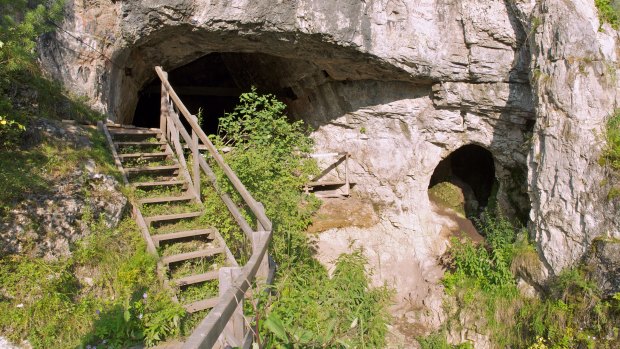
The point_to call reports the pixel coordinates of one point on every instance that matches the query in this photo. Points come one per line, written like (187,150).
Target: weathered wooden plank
(235,328)
(141,144)
(182,234)
(134,132)
(159,183)
(192,255)
(232,207)
(176,128)
(194,279)
(172,217)
(164,168)
(164,199)
(208,331)
(201,305)
(144,155)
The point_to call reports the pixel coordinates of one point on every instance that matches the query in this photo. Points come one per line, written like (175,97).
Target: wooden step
(139,143)
(158,184)
(161,200)
(172,217)
(192,255)
(111,126)
(194,279)
(181,234)
(201,305)
(134,131)
(327,184)
(143,155)
(149,169)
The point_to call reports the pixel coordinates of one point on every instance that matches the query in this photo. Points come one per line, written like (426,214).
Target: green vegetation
(24,93)
(32,170)
(449,195)
(51,305)
(609,12)
(611,154)
(481,288)
(341,312)
(268,157)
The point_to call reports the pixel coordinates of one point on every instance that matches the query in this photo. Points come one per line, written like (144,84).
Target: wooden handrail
(211,329)
(208,331)
(234,210)
(247,197)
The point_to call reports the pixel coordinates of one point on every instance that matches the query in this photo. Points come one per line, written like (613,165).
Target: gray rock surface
(575,90)
(603,262)
(48,223)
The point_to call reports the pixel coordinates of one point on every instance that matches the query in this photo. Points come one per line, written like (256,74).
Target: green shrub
(487,266)
(609,12)
(341,312)
(268,157)
(21,23)
(480,287)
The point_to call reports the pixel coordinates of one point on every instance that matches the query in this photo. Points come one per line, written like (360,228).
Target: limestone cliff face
(575,84)
(400,84)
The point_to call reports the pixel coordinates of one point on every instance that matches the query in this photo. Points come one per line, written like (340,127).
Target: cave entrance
(465,180)
(211,85)
(204,85)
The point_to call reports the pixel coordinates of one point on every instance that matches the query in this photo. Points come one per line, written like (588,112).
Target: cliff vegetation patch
(483,296)
(609,12)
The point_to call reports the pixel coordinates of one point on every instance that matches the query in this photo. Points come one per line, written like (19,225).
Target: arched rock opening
(471,170)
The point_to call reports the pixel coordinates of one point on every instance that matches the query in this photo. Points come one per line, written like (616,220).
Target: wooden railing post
(196,160)
(347,186)
(257,236)
(234,332)
(163,113)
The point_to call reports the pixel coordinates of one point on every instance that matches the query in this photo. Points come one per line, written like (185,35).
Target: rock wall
(575,90)
(399,84)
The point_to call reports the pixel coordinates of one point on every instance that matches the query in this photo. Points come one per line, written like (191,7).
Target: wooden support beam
(211,91)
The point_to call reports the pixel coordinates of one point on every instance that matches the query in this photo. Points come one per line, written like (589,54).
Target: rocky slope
(48,221)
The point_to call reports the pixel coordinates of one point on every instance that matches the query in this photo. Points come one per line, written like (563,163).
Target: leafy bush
(341,312)
(268,157)
(488,266)
(481,289)
(609,12)
(20,24)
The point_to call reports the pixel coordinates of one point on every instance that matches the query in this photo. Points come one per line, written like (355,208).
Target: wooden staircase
(193,259)
(168,210)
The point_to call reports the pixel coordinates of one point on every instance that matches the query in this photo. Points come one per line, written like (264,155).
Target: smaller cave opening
(465,180)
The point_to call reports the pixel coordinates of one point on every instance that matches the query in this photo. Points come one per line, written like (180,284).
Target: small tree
(21,23)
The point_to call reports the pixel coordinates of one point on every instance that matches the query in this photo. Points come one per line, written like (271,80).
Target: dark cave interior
(472,169)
